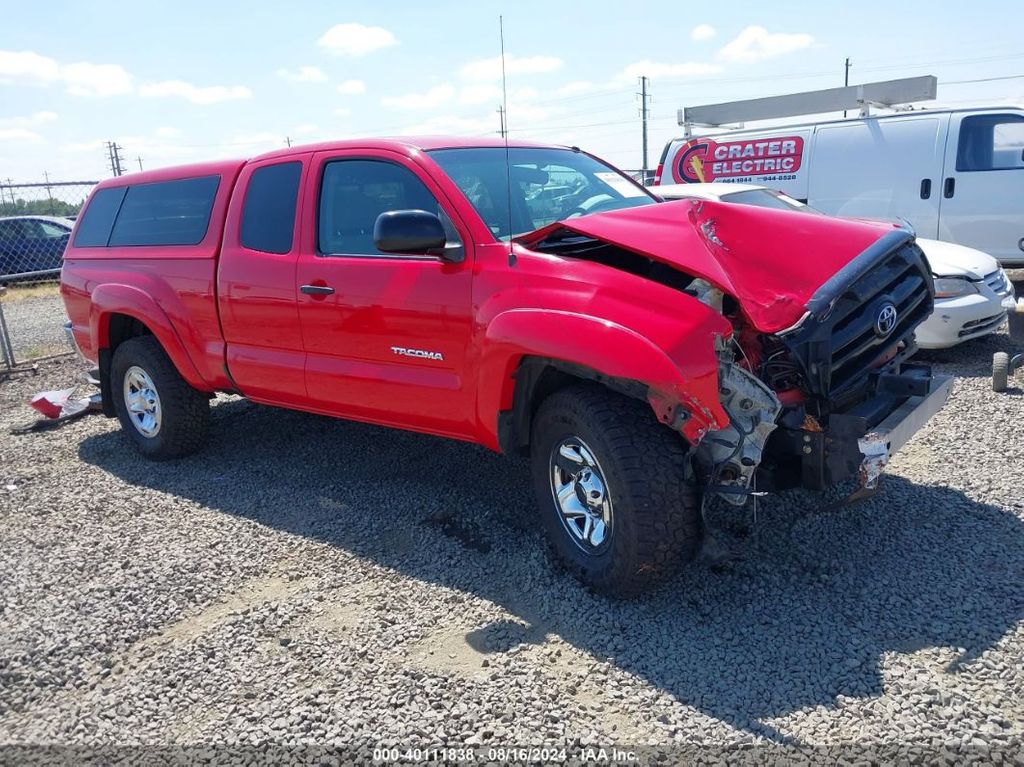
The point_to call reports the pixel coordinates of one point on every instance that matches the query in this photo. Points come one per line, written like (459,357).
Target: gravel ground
(36,326)
(305,580)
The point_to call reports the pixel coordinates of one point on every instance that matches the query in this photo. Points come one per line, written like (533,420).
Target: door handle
(317,290)
(949,188)
(926,188)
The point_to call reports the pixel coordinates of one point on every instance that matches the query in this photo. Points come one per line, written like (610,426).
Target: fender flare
(110,299)
(609,349)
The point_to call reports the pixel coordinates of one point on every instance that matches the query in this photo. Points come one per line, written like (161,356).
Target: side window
(353,193)
(98,219)
(268,213)
(52,231)
(166,212)
(990,142)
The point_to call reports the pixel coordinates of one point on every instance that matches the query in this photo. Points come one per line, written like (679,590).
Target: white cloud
(490,69)
(352,87)
(305,129)
(656,69)
(28,121)
(576,88)
(83,146)
(355,39)
(168,132)
(702,32)
(480,94)
(210,94)
(86,79)
(343,112)
(757,43)
(453,124)
(26,65)
(434,97)
(19,134)
(82,78)
(303,75)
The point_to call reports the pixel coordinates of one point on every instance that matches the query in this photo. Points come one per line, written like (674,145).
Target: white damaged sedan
(972,292)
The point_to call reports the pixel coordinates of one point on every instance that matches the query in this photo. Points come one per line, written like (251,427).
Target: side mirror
(408,231)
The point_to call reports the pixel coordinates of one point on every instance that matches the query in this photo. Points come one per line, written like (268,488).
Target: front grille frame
(835,345)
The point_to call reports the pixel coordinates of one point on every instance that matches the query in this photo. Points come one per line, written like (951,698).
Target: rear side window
(268,214)
(166,212)
(98,219)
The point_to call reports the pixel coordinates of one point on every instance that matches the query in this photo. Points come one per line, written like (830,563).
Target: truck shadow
(806,618)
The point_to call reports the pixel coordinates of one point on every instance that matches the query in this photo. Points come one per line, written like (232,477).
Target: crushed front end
(845,396)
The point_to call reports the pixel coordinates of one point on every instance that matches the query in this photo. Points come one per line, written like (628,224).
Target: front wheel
(614,490)
(159,412)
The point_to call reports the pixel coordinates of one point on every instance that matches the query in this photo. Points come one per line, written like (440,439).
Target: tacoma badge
(421,353)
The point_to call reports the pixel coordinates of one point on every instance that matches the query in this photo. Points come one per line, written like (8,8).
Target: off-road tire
(185,412)
(1000,371)
(656,509)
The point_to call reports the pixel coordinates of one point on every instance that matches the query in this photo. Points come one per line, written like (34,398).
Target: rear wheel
(160,413)
(613,489)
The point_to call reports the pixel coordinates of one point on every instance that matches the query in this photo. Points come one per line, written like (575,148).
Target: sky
(184,81)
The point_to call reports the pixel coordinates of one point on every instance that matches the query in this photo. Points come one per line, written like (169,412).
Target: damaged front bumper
(860,442)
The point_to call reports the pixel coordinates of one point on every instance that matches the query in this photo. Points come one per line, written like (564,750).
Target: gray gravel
(305,580)
(36,326)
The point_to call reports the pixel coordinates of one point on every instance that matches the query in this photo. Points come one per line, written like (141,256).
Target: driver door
(385,334)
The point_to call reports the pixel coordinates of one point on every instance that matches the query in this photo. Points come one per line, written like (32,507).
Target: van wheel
(164,416)
(613,489)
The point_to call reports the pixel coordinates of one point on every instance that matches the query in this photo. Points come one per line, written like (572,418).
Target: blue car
(32,243)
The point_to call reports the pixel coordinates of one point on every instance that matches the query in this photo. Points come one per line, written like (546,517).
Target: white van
(956,175)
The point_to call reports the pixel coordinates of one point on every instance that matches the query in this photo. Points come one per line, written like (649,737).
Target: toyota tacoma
(646,355)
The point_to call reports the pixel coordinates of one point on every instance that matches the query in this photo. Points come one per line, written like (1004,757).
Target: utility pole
(288,140)
(501,116)
(139,161)
(644,114)
(49,194)
(846,77)
(114,151)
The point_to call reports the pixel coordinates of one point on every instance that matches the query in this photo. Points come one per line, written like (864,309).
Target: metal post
(5,337)
(846,78)
(643,115)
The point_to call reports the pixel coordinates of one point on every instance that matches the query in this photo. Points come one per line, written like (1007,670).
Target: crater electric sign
(702,160)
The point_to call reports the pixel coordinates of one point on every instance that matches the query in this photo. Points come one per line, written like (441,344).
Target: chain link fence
(35,225)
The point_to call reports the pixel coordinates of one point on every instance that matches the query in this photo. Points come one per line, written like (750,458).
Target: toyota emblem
(885,322)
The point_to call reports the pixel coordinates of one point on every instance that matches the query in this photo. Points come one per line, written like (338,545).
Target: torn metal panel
(733,454)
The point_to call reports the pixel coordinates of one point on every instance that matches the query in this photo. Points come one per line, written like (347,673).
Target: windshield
(766,198)
(547,185)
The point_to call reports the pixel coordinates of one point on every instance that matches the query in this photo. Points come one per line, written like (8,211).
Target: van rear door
(881,168)
(983,185)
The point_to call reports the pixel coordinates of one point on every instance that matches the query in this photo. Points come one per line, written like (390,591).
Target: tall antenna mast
(508,162)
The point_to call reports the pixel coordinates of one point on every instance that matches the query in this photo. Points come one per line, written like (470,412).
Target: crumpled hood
(770,261)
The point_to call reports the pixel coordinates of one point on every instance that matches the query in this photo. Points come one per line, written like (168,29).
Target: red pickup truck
(528,298)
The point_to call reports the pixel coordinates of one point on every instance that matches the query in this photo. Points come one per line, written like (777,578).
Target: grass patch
(38,290)
(36,351)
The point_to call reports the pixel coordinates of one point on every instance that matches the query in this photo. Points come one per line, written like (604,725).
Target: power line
(983,80)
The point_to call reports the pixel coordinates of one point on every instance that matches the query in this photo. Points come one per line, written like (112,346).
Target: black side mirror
(409,231)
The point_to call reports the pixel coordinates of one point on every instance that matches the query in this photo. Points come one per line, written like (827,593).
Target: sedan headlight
(950,287)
